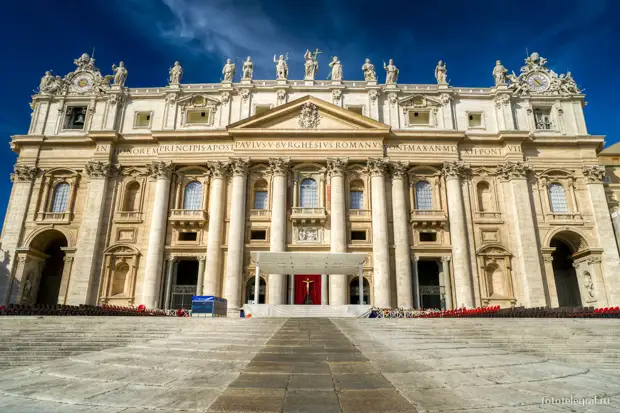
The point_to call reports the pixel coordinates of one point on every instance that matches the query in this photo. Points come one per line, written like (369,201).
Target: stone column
(162,173)
(338,227)
(615,220)
(526,248)
(550,277)
(417,303)
(22,178)
(66,275)
(291,289)
(236,237)
(169,276)
(404,290)
(84,285)
(380,247)
(217,203)
(445,263)
(604,229)
(458,234)
(324,291)
(278,168)
(201,275)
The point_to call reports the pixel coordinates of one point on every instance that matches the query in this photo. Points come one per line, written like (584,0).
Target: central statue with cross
(308,281)
(312,64)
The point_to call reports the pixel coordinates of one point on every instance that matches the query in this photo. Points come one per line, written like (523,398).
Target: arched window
(557,198)
(261,196)
(118,279)
(60,200)
(309,194)
(132,195)
(356,195)
(484,197)
(423,195)
(192,198)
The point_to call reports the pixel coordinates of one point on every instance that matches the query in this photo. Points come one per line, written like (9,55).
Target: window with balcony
(542,118)
(557,199)
(75,117)
(132,197)
(309,194)
(60,198)
(423,196)
(356,195)
(261,195)
(192,197)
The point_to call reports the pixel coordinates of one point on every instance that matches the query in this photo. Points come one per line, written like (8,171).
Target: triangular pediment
(308,115)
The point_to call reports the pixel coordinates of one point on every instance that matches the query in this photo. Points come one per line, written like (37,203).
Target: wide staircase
(303,311)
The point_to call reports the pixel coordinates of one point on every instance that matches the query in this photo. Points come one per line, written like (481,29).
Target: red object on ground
(141,308)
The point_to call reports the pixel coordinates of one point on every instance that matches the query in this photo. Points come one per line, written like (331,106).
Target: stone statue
(391,73)
(248,69)
(27,288)
(228,71)
(441,73)
(369,71)
(46,81)
(589,285)
(336,68)
(281,67)
(311,66)
(176,73)
(54,84)
(567,84)
(120,74)
(499,73)
(84,62)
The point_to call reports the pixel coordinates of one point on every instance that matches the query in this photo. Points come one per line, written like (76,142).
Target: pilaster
(338,227)
(278,168)
(216,226)
(404,296)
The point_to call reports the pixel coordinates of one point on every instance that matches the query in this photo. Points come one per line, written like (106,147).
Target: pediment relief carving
(198,101)
(420,102)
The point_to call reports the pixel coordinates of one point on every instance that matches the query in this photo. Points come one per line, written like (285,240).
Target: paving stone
(310,368)
(354,367)
(361,382)
(374,401)
(311,401)
(260,381)
(311,382)
(249,401)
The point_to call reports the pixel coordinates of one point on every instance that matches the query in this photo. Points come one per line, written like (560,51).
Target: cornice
(175,134)
(427,133)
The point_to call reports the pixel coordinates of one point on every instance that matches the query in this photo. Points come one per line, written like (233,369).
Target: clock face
(83,83)
(538,82)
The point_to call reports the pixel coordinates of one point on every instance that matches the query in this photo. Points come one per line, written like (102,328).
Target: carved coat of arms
(309,116)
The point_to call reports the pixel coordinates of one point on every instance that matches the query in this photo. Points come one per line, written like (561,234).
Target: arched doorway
(249,290)
(354,291)
(43,287)
(564,274)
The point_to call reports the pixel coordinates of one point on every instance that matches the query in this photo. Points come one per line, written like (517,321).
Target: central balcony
(260,214)
(562,219)
(54,217)
(128,216)
(428,218)
(360,214)
(188,218)
(305,216)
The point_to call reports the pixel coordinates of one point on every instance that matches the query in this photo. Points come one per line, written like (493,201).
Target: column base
(233,313)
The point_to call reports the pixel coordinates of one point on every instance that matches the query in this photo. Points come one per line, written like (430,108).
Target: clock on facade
(538,82)
(83,83)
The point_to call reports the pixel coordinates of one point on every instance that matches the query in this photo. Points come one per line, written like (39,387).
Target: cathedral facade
(458,196)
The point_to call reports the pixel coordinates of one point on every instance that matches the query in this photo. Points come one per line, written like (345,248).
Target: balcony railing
(428,217)
(488,216)
(360,214)
(304,215)
(129,216)
(260,214)
(54,217)
(188,217)
(563,218)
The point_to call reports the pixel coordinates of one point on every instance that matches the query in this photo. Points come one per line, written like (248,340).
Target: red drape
(315,288)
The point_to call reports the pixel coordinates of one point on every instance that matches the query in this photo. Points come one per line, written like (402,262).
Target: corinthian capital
(377,166)
(594,174)
(513,170)
(278,166)
(24,173)
(398,169)
(454,170)
(218,169)
(239,166)
(336,166)
(98,169)
(160,170)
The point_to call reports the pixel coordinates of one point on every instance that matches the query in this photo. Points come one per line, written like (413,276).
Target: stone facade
(459,196)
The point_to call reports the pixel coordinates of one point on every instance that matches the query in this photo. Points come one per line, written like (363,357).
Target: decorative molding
(278,166)
(24,173)
(538,80)
(377,166)
(281,95)
(245,94)
(225,97)
(445,98)
(455,170)
(594,174)
(513,170)
(160,170)
(309,117)
(399,169)
(308,234)
(239,166)
(392,98)
(502,100)
(336,166)
(336,96)
(373,94)
(218,169)
(98,169)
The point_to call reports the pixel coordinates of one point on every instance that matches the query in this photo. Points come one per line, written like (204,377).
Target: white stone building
(458,196)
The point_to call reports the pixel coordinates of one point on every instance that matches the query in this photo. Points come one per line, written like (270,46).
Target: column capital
(513,170)
(218,169)
(336,166)
(99,169)
(455,170)
(446,258)
(547,257)
(416,258)
(160,170)
(377,166)
(24,173)
(399,169)
(594,174)
(278,166)
(239,166)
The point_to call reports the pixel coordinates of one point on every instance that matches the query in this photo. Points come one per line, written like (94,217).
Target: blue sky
(149,35)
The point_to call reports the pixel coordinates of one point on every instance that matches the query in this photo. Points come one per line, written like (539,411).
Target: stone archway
(42,269)
(564,274)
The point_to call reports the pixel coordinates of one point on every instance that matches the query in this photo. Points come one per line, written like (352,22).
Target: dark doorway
(185,284)
(249,290)
(354,291)
(566,282)
(50,243)
(430,291)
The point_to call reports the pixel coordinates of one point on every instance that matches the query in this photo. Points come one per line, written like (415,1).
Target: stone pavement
(323,365)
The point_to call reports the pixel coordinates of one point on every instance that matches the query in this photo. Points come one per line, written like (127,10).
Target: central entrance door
(308,289)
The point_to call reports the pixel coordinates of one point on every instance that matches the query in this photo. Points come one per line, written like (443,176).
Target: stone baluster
(453,171)
(278,168)
(216,226)
(162,173)
(236,236)
(337,282)
(404,291)
(380,247)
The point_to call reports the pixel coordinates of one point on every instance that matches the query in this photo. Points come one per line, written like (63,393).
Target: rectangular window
(258,235)
(357,200)
(198,117)
(474,120)
(261,109)
(143,120)
(75,117)
(356,109)
(419,118)
(358,235)
(260,200)
(428,237)
(542,118)
(188,236)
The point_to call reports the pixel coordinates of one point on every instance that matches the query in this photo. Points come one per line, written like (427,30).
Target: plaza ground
(118,364)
